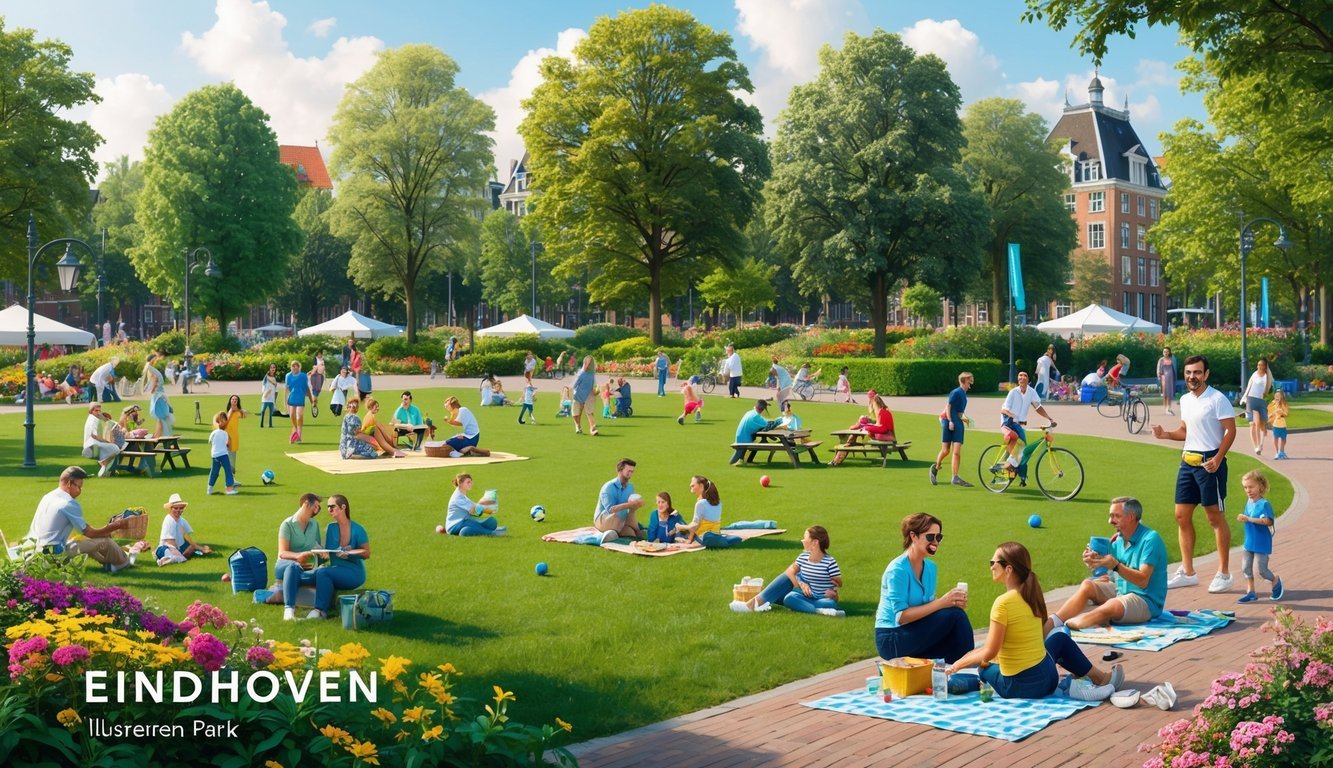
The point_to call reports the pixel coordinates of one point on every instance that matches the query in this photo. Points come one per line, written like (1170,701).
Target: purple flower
(69,654)
(208,652)
(259,657)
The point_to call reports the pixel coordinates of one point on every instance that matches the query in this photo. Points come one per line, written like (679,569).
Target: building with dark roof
(514,197)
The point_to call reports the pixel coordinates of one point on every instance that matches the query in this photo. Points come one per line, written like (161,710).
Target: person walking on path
(1207,428)
(1166,378)
(952,422)
(1045,369)
(1256,404)
(663,365)
(585,397)
(733,370)
(1259,521)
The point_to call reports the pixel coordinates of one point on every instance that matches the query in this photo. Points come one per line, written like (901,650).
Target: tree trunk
(879,312)
(410,299)
(655,299)
(1323,314)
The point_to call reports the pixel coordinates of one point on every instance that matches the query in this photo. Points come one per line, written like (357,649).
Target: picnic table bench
(784,440)
(143,454)
(858,441)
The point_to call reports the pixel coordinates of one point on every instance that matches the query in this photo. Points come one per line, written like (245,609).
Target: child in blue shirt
(529,398)
(665,520)
(1258,518)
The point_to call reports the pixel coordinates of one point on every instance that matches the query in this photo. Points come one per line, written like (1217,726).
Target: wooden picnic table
(853,441)
(791,442)
(151,454)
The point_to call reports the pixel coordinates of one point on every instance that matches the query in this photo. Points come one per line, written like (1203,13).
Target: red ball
(226,577)
(439,529)
(764,481)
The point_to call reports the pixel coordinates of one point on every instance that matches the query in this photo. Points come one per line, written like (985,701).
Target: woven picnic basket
(137,525)
(437,451)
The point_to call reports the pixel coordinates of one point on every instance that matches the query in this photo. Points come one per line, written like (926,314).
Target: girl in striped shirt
(809,585)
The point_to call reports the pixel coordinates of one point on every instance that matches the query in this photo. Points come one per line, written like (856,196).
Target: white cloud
(976,72)
(507,100)
(321,27)
(246,46)
(130,104)
(789,34)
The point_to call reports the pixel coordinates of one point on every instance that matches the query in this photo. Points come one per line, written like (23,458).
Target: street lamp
(1247,245)
(101,282)
(211,270)
(68,270)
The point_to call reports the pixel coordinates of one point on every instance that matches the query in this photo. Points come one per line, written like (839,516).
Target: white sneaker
(1182,579)
(610,536)
(102,471)
(831,612)
(117,568)
(315,613)
(1163,697)
(740,606)
(1117,676)
(289,614)
(1083,689)
(455,455)
(763,607)
(1221,583)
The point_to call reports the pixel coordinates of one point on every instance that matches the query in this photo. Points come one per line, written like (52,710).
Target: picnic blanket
(1162,632)
(333,462)
(590,535)
(1008,719)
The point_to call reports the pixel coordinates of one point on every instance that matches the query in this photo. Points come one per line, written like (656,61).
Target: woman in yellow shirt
(1025,665)
(234,415)
(377,434)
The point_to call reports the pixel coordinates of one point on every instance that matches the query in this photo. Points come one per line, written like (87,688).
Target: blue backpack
(249,569)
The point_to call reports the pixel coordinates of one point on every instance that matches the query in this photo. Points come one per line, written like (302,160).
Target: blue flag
(1016,279)
(1263,313)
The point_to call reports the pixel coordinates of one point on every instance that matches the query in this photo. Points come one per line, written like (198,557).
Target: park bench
(136,461)
(774,440)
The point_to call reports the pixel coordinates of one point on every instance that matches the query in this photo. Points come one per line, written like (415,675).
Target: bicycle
(707,379)
(804,389)
(1127,406)
(1058,471)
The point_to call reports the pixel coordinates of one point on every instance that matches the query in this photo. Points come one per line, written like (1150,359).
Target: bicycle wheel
(1059,474)
(805,390)
(1136,416)
(707,383)
(991,469)
(1110,407)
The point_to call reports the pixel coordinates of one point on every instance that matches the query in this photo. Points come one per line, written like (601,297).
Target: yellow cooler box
(907,676)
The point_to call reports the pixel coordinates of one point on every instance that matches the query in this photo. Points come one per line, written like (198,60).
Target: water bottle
(939,680)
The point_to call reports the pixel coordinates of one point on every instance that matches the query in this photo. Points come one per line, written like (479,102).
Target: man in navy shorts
(1208,427)
(952,422)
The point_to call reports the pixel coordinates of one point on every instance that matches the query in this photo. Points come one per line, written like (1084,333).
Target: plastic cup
(962,587)
(987,692)
(1102,546)
(872,685)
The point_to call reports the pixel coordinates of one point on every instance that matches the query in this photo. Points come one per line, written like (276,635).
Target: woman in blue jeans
(910,620)
(809,585)
(1025,656)
(350,545)
(298,536)
(466,517)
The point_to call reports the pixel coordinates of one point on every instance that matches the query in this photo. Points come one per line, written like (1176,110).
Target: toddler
(1277,413)
(566,401)
(844,386)
(606,400)
(1258,518)
(529,396)
(218,449)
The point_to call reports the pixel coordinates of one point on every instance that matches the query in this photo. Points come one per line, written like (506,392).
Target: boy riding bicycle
(1013,417)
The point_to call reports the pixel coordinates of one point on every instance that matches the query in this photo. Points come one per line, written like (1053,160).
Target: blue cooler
(1085,393)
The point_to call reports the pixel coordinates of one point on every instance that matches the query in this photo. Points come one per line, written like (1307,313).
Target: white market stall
(14,330)
(354,324)
(524,324)
(1096,319)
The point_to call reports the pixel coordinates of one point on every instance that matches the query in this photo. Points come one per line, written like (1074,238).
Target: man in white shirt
(94,447)
(103,381)
(1013,417)
(733,367)
(1045,367)
(59,514)
(1207,428)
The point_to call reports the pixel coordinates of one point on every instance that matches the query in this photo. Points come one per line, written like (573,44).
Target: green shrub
(887,376)
(638,347)
(986,341)
(542,348)
(209,340)
(498,363)
(1222,348)
(594,336)
(398,348)
(1320,354)
(753,336)
(302,347)
(169,343)
(701,358)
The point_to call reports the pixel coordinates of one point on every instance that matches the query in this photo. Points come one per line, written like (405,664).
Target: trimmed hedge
(397,348)
(887,376)
(497,363)
(302,347)
(752,336)
(596,335)
(542,348)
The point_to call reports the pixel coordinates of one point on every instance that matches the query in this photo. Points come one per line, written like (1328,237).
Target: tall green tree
(1017,171)
(212,178)
(507,271)
(922,302)
(865,193)
(317,276)
(647,161)
(118,194)
(411,148)
(1092,279)
(46,160)
(747,286)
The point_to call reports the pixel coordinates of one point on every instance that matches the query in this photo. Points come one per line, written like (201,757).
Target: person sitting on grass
(466,517)
(59,515)
(809,585)
(175,544)
(616,505)
(298,537)
(910,620)
(1138,561)
(464,443)
(706,526)
(665,521)
(381,438)
(350,548)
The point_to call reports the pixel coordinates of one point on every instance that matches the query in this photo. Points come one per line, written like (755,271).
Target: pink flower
(203,614)
(70,654)
(208,652)
(259,657)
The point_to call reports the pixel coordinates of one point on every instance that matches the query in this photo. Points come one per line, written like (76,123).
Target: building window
(1071,202)
(1140,204)
(1152,209)
(1139,306)
(1124,235)
(1096,202)
(1154,275)
(1124,202)
(1091,170)
(148,316)
(1143,271)
(1063,308)
(1138,171)
(1143,237)
(1124,303)
(1126,276)
(1096,236)
(983,314)
(1156,302)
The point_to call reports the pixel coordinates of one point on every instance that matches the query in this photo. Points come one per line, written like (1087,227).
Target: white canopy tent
(352,324)
(14,330)
(1095,319)
(530,325)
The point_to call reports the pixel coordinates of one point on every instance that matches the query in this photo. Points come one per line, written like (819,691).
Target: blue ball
(1035,521)
(267,477)
(541,569)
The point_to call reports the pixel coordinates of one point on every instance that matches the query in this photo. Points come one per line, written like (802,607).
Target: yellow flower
(399,687)
(433,733)
(444,697)
(336,734)
(354,653)
(568,728)
(417,714)
(364,751)
(448,669)
(402,735)
(52,677)
(501,695)
(392,667)
(69,718)
(272,764)
(384,716)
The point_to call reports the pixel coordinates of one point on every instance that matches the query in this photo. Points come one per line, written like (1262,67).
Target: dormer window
(1091,170)
(1138,170)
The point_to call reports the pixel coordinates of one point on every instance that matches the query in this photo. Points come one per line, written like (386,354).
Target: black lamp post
(68,269)
(1247,245)
(101,283)
(211,270)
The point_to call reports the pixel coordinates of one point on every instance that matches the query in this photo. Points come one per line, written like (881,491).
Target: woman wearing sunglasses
(910,620)
(1025,655)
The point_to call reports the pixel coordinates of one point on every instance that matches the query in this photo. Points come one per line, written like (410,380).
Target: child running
(217,443)
(693,403)
(1258,518)
(1277,413)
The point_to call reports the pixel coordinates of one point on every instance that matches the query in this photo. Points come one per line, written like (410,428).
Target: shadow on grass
(435,629)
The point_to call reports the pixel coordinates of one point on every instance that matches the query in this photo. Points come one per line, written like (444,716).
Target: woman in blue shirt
(910,620)
(350,547)
(298,389)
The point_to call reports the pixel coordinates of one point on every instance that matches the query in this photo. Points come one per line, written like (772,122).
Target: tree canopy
(118,194)
(646,160)
(46,160)
(865,193)
(1017,171)
(317,276)
(212,179)
(507,266)
(411,150)
(747,286)
(1092,279)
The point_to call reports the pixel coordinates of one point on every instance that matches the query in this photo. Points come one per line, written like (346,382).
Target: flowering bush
(1278,711)
(844,349)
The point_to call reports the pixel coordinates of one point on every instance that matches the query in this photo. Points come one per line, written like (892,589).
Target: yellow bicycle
(1058,471)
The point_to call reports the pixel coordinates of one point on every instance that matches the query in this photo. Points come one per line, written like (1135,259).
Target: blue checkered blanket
(1163,631)
(1008,719)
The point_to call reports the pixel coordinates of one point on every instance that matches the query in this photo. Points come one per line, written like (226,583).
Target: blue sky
(293,58)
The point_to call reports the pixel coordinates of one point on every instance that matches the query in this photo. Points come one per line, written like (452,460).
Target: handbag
(373,606)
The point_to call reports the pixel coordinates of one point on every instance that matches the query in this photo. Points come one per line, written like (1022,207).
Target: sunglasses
(1000,563)
(933,538)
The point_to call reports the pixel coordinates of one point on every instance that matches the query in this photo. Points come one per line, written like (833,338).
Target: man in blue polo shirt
(752,422)
(1137,561)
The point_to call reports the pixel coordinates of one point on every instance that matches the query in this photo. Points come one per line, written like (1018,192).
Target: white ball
(538,513)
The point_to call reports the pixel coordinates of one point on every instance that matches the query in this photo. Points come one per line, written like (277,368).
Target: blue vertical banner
(1263,313)
(1016,279)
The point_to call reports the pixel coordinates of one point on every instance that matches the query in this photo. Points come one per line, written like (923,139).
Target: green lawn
(1299,418)
(607,641)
